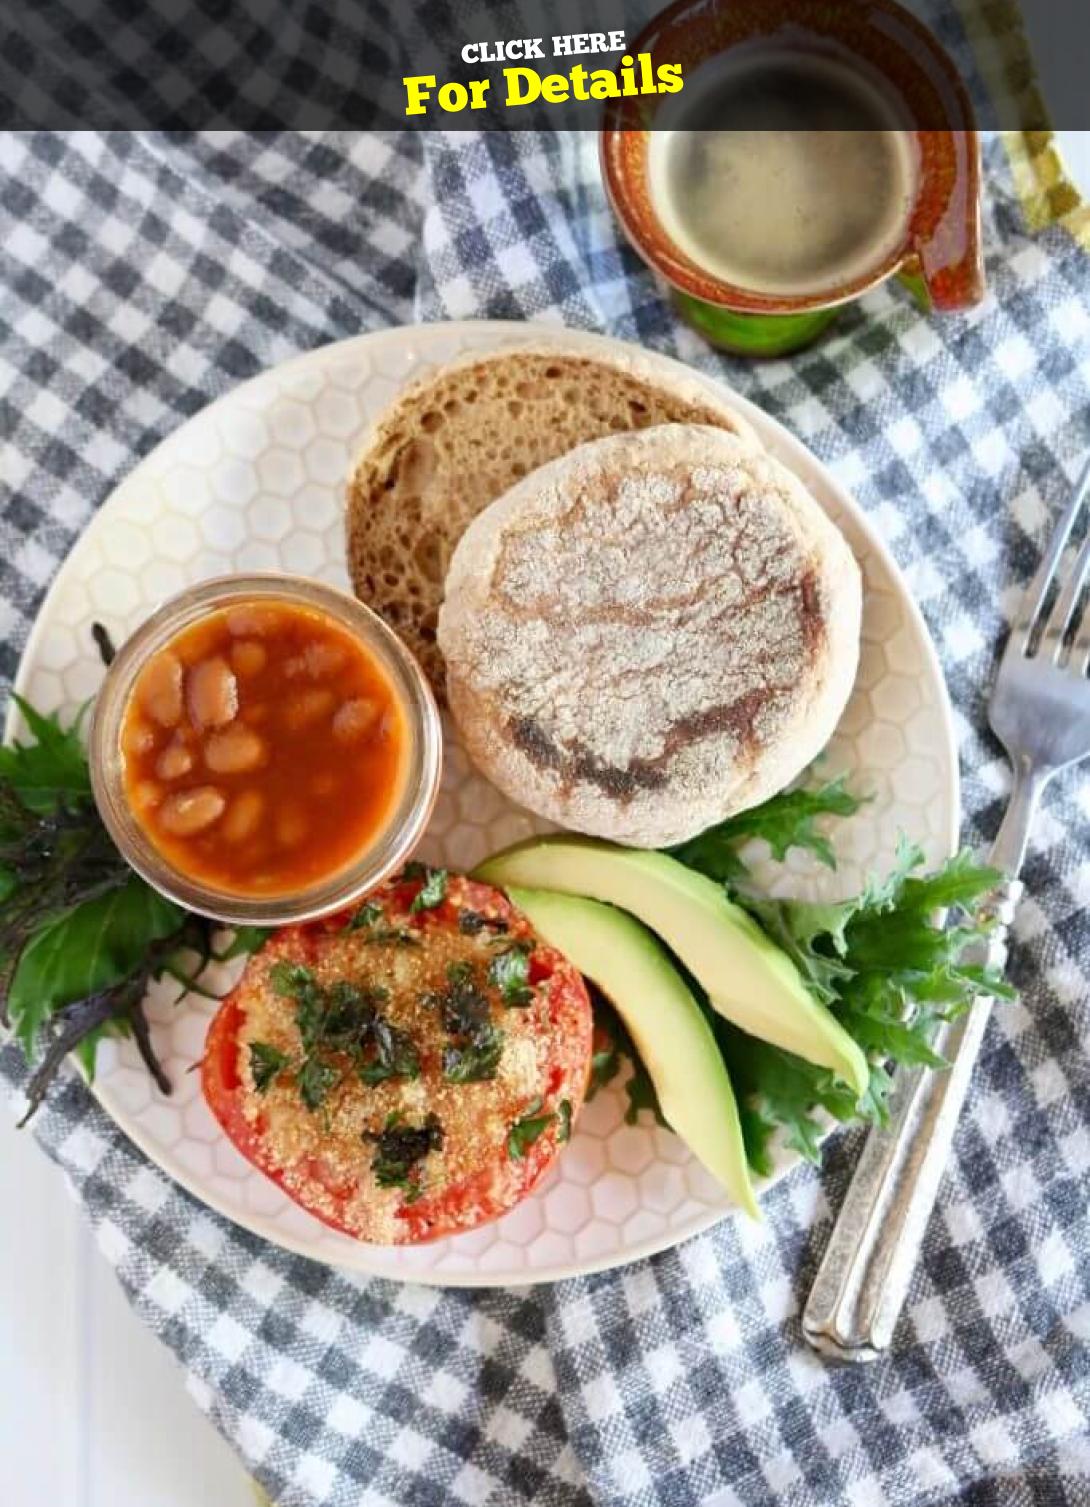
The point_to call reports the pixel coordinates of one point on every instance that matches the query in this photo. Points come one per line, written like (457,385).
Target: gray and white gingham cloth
(141,277)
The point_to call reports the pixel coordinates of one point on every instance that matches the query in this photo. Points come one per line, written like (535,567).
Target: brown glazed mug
(939,253)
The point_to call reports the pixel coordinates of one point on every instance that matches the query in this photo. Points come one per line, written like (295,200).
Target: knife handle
(864,1276)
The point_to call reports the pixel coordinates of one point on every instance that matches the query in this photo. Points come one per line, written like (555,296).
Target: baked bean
(146,795)
(174,761)
(308,707)
(252,620)
(248,657)
(236,750)
(243,816)
(212,693)
(317,660)
(139,738)
(291,826)
(160,689)
(356,719)
(187,812)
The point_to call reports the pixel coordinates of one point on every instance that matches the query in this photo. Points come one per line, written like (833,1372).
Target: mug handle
(944,267)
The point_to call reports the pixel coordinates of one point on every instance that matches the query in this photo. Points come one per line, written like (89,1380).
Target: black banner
(530,65)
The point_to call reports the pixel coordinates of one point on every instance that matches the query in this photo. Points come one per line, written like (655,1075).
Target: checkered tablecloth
(141,277)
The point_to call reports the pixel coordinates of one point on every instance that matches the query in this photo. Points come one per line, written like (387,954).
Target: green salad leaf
(889,967)
(246,941)
(607,1057)
(786,821)
(86,949)
(776,1089)
(80,934)
(613,1047)
(52,770)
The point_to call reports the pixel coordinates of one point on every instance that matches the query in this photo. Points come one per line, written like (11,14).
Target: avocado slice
(748,979)
(672,1036)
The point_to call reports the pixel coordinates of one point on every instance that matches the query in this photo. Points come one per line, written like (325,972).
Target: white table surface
(93,1410)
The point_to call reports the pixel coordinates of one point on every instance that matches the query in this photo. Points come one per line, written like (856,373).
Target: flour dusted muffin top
(650,633)
(458,439)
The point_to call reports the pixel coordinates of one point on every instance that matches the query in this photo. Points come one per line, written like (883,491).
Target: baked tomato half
(406,1070)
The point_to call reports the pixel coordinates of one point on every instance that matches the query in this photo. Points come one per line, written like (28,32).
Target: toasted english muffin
(649,634)
(458,439)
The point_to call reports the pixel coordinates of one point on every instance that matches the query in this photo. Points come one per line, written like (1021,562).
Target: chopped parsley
(462,1005)
(510,972)
(525,1131)
(350,1013)
(367,919)
(474,1054)
(395,1054)
(341,1029)
(265,1062)
(476,1061)
(563,1134)
(471,923)
(431,892)
(399,1148)
(288,979)
(310,1008)
(367,915)
(316,1079)
(392,936)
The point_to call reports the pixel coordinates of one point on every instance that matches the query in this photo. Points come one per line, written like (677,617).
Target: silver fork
(1040,711)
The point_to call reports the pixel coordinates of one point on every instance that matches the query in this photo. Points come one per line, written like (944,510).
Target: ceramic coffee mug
(936,246)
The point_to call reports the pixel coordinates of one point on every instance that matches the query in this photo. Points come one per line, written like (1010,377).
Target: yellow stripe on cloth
(1004,57)
(1046,192)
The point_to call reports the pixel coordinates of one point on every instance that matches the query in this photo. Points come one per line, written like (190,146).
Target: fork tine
(1030,605)
(1079,662)
(1059,619)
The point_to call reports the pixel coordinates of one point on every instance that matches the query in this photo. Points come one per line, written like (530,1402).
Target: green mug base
(752,334)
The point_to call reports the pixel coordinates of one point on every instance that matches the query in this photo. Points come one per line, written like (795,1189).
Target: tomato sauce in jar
(264,748)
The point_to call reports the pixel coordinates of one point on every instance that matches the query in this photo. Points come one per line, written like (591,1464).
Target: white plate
(254,482)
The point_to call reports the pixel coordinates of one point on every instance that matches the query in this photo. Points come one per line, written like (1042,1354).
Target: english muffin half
(458,439)
(650,633)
